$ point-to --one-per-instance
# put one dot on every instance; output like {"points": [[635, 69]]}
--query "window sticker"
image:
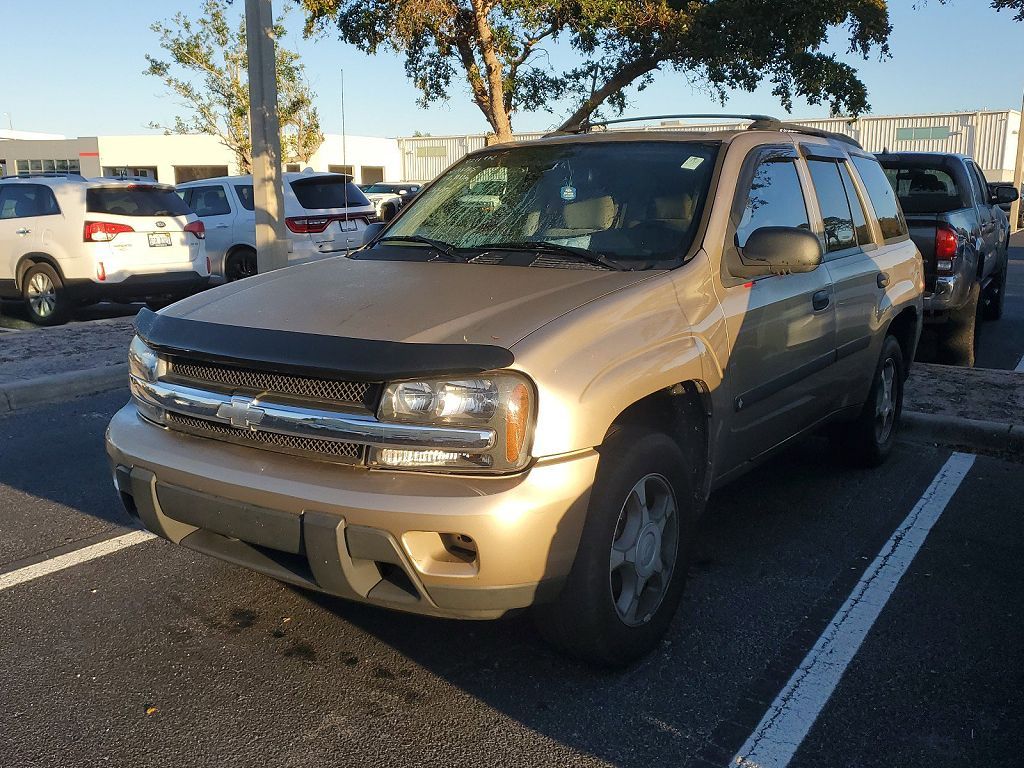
{"points": [[692, 163], [568, 193]]}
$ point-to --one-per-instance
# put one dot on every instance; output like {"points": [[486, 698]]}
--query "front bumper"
{"points": [[372, 536]]}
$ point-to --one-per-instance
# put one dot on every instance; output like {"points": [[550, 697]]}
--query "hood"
{"points": [[429, 303], [376, 197]]}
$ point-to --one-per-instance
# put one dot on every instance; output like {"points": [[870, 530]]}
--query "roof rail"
{"points": [[46, 175], [757, 123]]}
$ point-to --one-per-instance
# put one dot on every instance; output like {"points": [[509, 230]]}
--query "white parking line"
{"points": [[78, 556], [1020, 366], [790, 717]]}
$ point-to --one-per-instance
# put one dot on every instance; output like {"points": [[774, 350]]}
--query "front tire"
{"points": [[46, 299], [997, 295], [868, 441], [630, 568], [240, 264]]}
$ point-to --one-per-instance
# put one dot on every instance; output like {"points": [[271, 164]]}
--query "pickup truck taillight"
{"points": [[947, 243], [103, 231], [303, 225], [197, 228]]}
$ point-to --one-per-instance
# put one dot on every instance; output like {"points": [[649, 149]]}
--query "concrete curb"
{"points": [[1001, 437], [60, 387]]}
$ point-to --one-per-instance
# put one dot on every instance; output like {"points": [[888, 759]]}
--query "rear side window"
{"points": [[882, 196], [860, 219], [835, 206], [135, 201], [245, 196], [21, 200], [209, 201], [775, 200], [319, 192]]}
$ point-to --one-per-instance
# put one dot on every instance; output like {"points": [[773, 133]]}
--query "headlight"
{"points": [[144, 365], [501, 402]]}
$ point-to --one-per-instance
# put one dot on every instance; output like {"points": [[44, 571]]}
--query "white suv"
{"points": [[66, 240], [325, 214]]}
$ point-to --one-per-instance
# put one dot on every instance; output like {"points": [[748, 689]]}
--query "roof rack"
{"points": [[757, 123]]}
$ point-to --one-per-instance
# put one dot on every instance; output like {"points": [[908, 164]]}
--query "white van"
{"points": [[325, 214], [66, 240]]}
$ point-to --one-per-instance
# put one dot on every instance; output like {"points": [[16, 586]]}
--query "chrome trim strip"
{"points": [[267, 416]]}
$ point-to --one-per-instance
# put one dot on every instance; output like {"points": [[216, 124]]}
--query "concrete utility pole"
{"points": [[267, 180], [1018, 173]]}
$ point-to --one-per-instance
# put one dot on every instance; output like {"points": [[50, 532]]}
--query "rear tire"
{"points": [[638, 533], [240, 264], [868, 441], [387, 212], [959, 345], [46, 299]]}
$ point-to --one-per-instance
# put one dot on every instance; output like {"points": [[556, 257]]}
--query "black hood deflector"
{"points": [[332, 357]]}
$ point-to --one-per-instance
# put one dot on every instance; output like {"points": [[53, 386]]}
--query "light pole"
{"points": [[265, 133], [1018, 173]]}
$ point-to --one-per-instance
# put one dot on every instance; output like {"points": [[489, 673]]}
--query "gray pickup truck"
{"points": [[963, 235]]}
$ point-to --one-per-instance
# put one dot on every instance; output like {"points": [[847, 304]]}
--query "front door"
{"points": [[781, 328]]}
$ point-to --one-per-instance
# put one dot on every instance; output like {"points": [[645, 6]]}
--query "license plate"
{"points": [[159, 239], [346, 226]]}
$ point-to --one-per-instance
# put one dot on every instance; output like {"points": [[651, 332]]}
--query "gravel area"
{"points": [[39, 352], [971, 393]]}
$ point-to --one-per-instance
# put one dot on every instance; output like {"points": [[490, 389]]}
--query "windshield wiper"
{"points": [[544, 246], [438, 245]]}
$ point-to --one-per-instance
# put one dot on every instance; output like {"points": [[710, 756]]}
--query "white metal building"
{"points": [[990, 137]]}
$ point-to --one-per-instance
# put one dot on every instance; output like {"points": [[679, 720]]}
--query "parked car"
{"points": [[388, 198], [527, 403], [66, 240], [963, 235], [325, 214]]}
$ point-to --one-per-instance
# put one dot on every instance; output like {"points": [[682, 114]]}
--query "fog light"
{"points": [[400, 457]]}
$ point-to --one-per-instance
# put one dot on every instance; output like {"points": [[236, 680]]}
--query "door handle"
{"points": [[221, 226], [23, 231], [882, 278], [820, 300]]}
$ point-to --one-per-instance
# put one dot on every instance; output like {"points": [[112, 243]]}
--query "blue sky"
{"points": [[87, 79]]}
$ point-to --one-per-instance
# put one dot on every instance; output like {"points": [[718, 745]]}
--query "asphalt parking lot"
{"points": [[153, 655]]}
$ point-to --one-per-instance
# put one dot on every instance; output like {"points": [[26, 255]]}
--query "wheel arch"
{"points": [[906, 327], [29, 260]]}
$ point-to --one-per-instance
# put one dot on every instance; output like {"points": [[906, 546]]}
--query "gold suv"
{"points": [[521, 391]]}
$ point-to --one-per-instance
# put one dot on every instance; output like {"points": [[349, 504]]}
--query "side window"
{"points": [[860, 220], [882, 197], [24, 200], [980, 190], [775, 199], [245, 196], [209, 201], [835, 207], [985, 196]]}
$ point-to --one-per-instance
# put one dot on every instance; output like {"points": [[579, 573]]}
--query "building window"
{"points": [[346, 169], [292, 167], [923, 132], [29, 167], [371, 174]]}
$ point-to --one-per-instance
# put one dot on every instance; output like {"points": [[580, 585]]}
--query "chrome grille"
{"points": [[331, 450], [351, 392]]}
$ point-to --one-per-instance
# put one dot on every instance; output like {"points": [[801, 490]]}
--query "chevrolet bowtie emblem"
{"points": [[241, 412]]}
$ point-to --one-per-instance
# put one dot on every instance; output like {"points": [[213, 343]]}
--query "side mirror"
{"points": [[779, 251], [371, 231], [1004, 194]]}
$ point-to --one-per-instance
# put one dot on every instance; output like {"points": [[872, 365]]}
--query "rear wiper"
{"points": [[438, 245], [544, 246]]}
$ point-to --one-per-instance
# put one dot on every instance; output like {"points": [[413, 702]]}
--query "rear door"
{"points": [[986, 218], [334, 212], [782, 328], [211, 204], [19, 230], [156, 240]]}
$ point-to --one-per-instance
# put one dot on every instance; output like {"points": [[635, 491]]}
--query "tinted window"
{"points": [[983, 193], [775, 200], [860, 221], [245, 196], [882, 195], [21, 200], [835, 208], [135, 201], [209, 201], [319, 192]]}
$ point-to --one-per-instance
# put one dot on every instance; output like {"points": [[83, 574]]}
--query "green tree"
{"points": [[206, 67], [497, 48]]}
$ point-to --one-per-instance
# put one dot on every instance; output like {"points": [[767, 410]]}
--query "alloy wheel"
{"points": [[42, 295], [644, 550], [885, 401]]}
